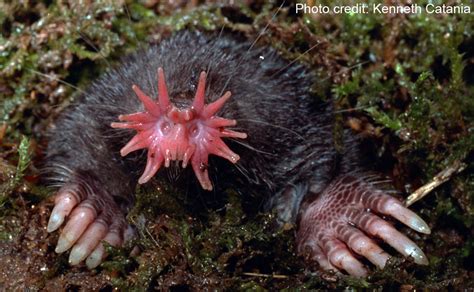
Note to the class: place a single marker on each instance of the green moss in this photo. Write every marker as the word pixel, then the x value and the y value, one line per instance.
pixel 403 77
pixel 24 159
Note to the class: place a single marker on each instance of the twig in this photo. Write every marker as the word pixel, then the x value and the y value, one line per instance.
pixel 439 179
pixel 266 275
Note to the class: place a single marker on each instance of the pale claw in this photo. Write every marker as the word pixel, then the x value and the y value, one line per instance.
pixel 376 226
pixel 88 242
pixel 80 219
pixel 337 224
pixel 364 246
pixel 64 203
pixel 89 222
pixel 341 257
pixel 321 258
pixel 395 209
pixel 98 255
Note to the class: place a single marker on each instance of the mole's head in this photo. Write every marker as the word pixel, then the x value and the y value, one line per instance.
pixel 182 134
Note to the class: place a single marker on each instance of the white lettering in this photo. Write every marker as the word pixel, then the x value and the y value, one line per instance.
pixel 376 8
pixel 447 9
pixel 311 9
pixel 299 6
pixel 396 9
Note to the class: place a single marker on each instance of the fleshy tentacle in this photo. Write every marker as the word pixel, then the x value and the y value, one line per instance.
pixel 188 135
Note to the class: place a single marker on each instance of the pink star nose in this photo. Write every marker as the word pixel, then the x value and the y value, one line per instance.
pixel 180 116
pixel 194 133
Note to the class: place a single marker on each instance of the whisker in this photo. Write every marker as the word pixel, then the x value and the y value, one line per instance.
pixel 296 59
pixel 56 79
pixel 273 125
pixel 392 192
pixel 266 26
pixel 377 182
pixel 129 15
pixel 208 69
pixel 90 43
pixel 242 170
pixel 252 148
pixel 253 44
pixel 351 109
pixel 211 60
pixel 150 79
pixel 345 70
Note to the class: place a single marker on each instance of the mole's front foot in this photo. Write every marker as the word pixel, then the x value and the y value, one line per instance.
pixel 337 228
pixel 91 218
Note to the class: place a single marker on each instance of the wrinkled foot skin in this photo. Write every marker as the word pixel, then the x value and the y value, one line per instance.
pixel 337 228
pixel 90 219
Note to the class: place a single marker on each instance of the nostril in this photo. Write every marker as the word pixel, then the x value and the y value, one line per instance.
pixel 193 131
pixel 165 128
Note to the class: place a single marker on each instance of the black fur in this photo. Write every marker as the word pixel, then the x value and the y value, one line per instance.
pixel 289 150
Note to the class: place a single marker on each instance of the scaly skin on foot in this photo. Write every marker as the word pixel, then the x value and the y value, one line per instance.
pixel 340 225
pixel 89 220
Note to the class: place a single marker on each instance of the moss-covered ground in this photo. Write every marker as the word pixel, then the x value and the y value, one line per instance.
pixel 405 82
